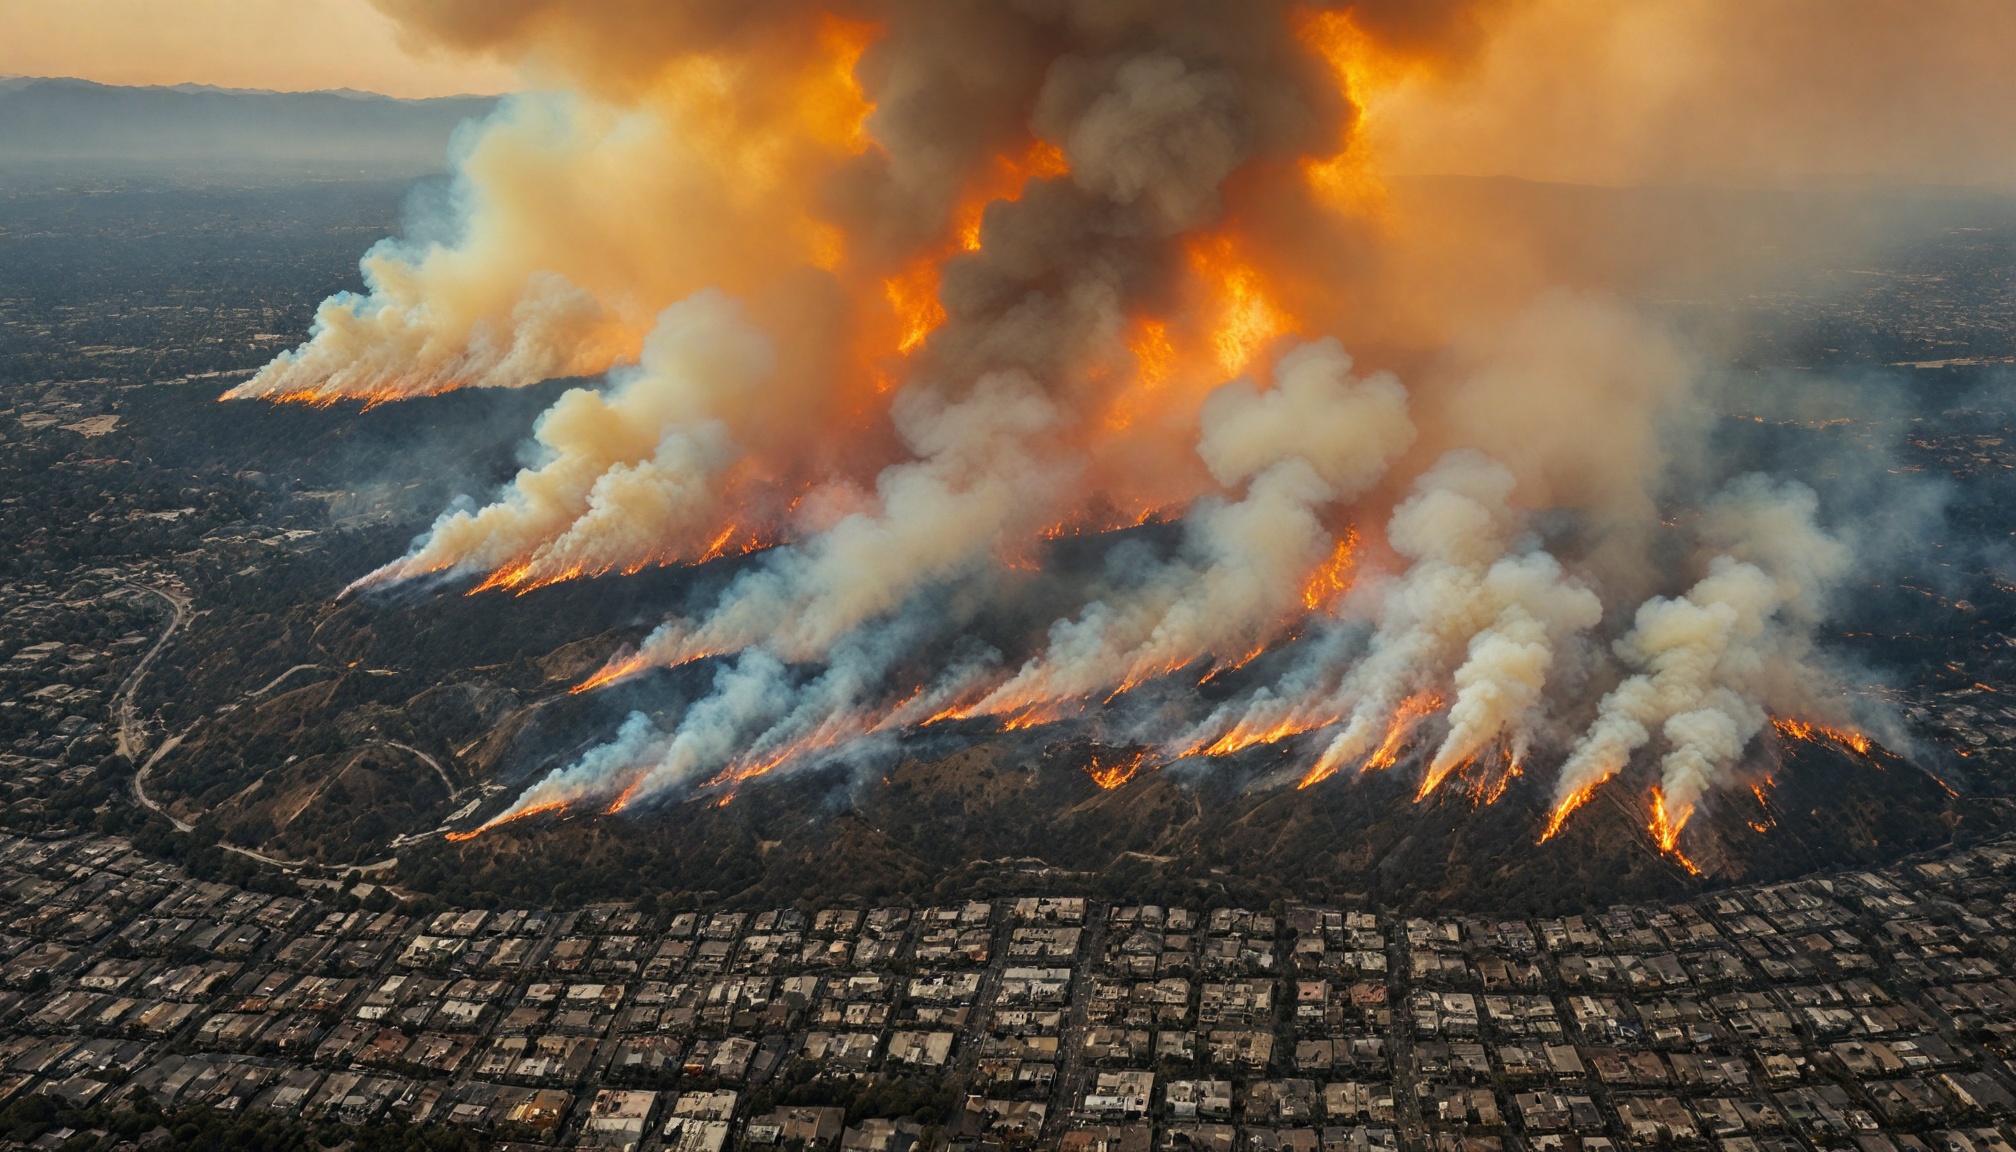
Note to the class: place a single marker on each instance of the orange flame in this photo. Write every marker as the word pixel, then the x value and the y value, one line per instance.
pixel 612 672
pixel 1246 734
pixel 1333 579
pixel 832 732
pixel 1367 74
pixel 1224 666
pixel 1665 828
pixel 1411 712
pixel 1033 716
pixel 914 296
pixel 330 397
pixel 1406 718
pixel 1154 364
pixel 1487 776
pixel 629 793
pixel 1567 807
pixel 1489 787
pixel 499 822
pixel 1248 319
pixel 1042 161
pixel 1818 734
pixel 913 292
pixel 1113 775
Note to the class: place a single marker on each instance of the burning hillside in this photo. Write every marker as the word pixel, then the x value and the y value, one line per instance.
pixel 891 299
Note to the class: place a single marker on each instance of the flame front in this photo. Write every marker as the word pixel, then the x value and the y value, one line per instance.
pixel 1665 828
pixel 508 818
pixel 1558 818
pixel 1247 317
pixel 1821 734
pixel 1333 579
pixel 1406 718
pixel 1113 774
pixel 1399 728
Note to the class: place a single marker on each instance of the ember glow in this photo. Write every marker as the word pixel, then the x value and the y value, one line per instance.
pixel 511 817
pixel 1333 579
pixel 1246 735
pixel 1818 734
pixel 613 672
pixel 1558 818
pixel 1399 731
pixel 1111 773
pixel 1405 719
pixel 1489 780
pixel 1665 828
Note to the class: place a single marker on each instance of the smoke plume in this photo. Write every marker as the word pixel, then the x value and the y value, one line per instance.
pixel 899 293
pixel 1713 662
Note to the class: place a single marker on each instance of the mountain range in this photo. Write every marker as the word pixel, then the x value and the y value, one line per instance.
pixel 48 123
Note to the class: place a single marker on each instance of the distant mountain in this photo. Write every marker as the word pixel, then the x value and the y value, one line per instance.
pixel 46 123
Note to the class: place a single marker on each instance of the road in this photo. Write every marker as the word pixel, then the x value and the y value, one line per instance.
pixel 454 793
pixel 130 736
pixel 1074 1079
pixel 275 682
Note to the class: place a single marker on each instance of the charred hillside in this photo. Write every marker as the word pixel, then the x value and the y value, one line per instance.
pixel 993 819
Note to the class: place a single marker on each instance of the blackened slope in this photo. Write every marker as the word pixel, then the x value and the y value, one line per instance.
pixel 989 821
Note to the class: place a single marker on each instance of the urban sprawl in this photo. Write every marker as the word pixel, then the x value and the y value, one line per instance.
pixel 1868 1011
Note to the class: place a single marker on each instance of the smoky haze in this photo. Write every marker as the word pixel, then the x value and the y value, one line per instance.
pixel 50 124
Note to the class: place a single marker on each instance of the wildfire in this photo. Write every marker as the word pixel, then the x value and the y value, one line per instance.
pixel 623 801
pixel 1367 74
pixel 1769 822
pixel 1488 776
pixel 1248 319
pixel 913 292
pixel 1154 364
pixel 1224 666
pixel 1665 828
pixel 611 672
pixel 1034 716
pixel 1406 718
pixel 1245 735
pixel 718 547
pixel 1113 775
pixel 914 296
pixel 330 397
pixel 499 822
pixel 832 733
pixel 1567 807
pixel 1488 787
pixel 1041 161
pixel 1820 734
pixel 1333 579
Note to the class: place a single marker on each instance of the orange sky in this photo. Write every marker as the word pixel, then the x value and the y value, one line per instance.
pixel 1583 91
pixel 292 45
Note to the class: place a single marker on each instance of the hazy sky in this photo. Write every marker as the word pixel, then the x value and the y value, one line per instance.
pixel 285 44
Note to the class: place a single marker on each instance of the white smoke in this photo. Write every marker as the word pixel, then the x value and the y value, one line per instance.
pixel 1481 609
pixel 1712 662
pixel 979 473
pixel 1318 438
pixel 629 473
pixel 638 741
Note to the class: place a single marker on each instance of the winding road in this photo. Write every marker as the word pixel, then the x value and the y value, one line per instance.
pixel 132 742
pixel 122 701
